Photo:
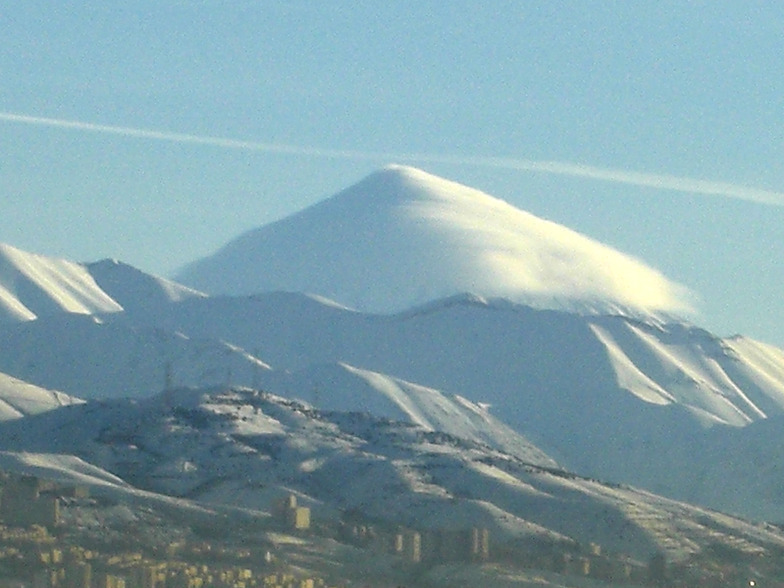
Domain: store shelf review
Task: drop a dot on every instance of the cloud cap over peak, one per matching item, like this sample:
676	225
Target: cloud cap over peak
402	237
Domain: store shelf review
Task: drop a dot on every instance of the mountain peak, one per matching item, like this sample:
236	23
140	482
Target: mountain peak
32	285
402	173
403	237
399	184
394	185
408	176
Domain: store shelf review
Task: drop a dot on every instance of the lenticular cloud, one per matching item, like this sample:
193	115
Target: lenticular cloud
402	237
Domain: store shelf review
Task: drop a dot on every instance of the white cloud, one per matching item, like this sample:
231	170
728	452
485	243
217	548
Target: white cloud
563	168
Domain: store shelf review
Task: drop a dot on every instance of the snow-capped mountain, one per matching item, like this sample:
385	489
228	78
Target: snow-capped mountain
33	285
402	237
537	375
249	449
495	351
630	395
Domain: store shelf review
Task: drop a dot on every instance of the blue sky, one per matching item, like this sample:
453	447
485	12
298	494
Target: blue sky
690	90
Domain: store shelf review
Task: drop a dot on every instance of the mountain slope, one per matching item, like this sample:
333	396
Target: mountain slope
91	357
403	237
608	396
249	449
102	358
33	285
343	388
613	397
19	399
136	291
493	351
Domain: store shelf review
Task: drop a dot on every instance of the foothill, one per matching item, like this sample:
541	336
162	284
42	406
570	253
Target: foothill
61	536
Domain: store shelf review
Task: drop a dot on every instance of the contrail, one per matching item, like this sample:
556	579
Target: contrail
561	168
181	137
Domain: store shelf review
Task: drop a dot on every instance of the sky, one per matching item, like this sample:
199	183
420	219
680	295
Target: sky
155	132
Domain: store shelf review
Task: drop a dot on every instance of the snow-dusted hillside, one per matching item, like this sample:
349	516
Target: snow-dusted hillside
610	396
403	237
341	387
89	357
18	398
245	448
510	356
34	285
135	290
108	359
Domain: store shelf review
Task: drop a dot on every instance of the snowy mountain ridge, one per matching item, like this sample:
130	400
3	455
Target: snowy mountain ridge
19	398
538	384
402	237
617	390
243	448
33	285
